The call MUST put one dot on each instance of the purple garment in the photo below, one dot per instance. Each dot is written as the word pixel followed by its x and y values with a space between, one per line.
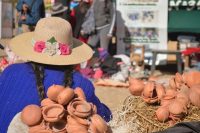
pixel 18 89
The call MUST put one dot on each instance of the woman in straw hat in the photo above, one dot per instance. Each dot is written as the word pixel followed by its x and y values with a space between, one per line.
pixel 50 52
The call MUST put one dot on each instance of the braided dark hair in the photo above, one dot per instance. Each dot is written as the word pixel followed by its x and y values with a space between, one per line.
pixel 67 82
pixel 39 74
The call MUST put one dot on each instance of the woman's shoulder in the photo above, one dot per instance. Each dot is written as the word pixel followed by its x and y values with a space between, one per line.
pixel 16 68
pixel 79 78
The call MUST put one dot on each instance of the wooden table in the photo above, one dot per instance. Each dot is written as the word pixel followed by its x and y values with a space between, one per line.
pixel 175 52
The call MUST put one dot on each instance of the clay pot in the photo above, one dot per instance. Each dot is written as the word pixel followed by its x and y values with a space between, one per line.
pixel 172 83
pixel 80 108
pixel 149 100
pixel 58 127
pixel 53 91
pixel 53 113
pixel 160 90
pixel 46 102
pixel 65 96
pixel 162 114
pixel 98 124
pixel 194 95
pixel 79 93
pixel 149 90
pixel 191 78
pixel 31 115
pixel 176 108
pixel 74 126
pixel 136 86
pixel 183 98
pixel 178 78
pixel 41 128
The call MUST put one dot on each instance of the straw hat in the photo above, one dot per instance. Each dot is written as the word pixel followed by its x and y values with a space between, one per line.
pixel 51 43
pixel 58 8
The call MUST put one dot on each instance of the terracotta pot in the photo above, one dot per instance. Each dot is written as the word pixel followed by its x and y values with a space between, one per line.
pixel 194 95
pixel 149 90
pixel 136 86
pixel 191 78
pixel 53 91
pixel 58 127
pixel 177 108
pixel 98 122
pixel 160 90
pixel 79 108
pixel 149 100
pixel 46 102
pixel 74 126
pixel 65 96
pixel 178 78
pixel 41 128
pixel 162 114
pixel 53 113
pixel 31 115
pixel 184 98
pixel 79 93
pixel 172 83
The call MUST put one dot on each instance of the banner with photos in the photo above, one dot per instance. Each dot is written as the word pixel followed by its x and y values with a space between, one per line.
pixel 142 22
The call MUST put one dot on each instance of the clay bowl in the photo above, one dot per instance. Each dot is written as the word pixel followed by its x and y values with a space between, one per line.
pixel 149 89
pixel 59 126
pixel 53 91
pixel 31 115
pixel 98 122
pixel 191 78
pixel 79 93
pixel 53 113
pixel 162 114
pixel 65 96
pixel 46 102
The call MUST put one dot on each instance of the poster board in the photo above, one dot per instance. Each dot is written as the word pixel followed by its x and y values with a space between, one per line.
pixel 142 22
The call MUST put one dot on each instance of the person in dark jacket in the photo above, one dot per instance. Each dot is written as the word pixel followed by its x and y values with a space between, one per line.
pixel 29 13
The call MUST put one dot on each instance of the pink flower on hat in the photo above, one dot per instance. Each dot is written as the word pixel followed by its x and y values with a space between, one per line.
pixel 39 46
pixel 64 49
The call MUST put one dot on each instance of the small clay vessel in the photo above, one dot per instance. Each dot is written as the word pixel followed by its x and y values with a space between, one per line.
pixel 191 78
pixel 59 126
pixel 160 90
pixel 46 102
pixel 177 108
pixel 79 93
pixel 162 114
pixel 53 113
pixel 31 115
pixel 98 122
pixel 194 96
pixel 74 126
pixel 136 86
pixel 65 96
pixel 53 91
pixel 149 89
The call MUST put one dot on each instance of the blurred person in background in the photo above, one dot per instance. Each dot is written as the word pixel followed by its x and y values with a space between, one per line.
pixel 104 19
pixel 29 12
pixel 78 15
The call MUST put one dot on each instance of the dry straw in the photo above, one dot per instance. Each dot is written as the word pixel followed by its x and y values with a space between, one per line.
pixel 139 117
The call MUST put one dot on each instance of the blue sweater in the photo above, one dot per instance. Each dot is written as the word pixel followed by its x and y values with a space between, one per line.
pixel 18 89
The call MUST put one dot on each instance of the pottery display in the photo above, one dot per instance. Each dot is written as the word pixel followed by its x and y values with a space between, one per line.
pixel 191 78
pixel 64 111
pixel 31 115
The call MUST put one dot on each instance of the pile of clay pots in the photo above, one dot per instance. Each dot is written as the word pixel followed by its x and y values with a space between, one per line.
pixel 64 111
pixel 174 99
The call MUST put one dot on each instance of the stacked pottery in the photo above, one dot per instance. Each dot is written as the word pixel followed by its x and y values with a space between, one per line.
pixel 153 92
pixel 136 86
pixel 191 78
pixel 64 111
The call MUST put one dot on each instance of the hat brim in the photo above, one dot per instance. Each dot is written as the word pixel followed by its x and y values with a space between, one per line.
pixel 59 11
pixel 22 47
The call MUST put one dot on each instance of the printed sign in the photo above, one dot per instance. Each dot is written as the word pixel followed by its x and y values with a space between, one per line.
pixel 142 22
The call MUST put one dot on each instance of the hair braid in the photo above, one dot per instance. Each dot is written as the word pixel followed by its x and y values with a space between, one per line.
pixel 39 74
pixel 68 76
